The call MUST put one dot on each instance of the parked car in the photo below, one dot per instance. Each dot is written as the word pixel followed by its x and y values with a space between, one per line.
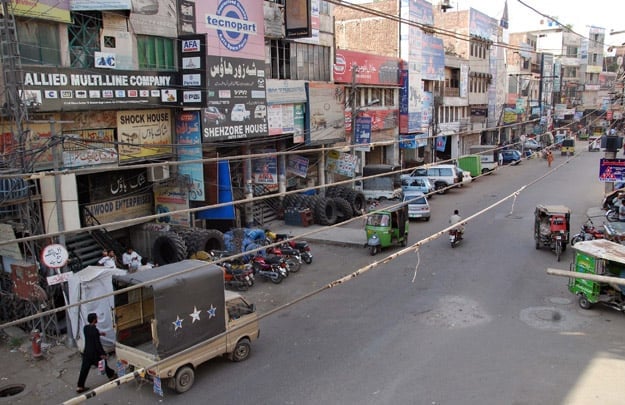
pixel 442 176
pixel 420 184
pixel 418 207
pixel 260 112
pixel 532 144
pixel 466 176
pixel 213 115
pixel 511 157
pixel 239 113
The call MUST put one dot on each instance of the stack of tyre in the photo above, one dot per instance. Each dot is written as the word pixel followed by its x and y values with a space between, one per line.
pixel 340 204
pixel 181 242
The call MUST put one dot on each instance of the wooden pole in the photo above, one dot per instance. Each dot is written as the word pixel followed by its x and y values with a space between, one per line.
pixel 586 276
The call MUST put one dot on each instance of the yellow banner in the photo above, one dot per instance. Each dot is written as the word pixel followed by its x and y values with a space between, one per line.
pixel 144 133
pixel 52 10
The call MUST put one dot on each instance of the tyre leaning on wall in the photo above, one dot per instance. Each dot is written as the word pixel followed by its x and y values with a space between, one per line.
pixel 168 248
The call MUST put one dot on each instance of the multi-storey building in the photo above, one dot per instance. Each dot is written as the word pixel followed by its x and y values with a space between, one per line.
pixel 118 95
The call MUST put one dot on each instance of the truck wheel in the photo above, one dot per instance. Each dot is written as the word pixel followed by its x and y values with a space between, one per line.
pixel 183 380
pixel 241 351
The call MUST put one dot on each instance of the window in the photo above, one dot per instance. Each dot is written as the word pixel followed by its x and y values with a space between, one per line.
pixel 156 53
pixel 571 51
pixel 84 38
pixel 38 42
pixel 280 63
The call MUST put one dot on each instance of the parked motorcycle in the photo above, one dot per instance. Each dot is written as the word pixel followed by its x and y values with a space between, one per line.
pixel 274 272
pixel 301 245
pixel 291 256
pixel 455 237
pixel 238 276
pixel 588 231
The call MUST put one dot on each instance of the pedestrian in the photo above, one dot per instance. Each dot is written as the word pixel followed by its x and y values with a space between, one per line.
pixel 549 158
pixel 93 353
pixel 108 259
pixel 145 264
pixel 131 260
pixel 500 158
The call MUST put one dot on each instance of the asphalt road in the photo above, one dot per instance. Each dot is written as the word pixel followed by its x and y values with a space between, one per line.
pixel 479 324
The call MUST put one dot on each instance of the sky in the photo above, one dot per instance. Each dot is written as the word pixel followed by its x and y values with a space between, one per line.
pixel 580 14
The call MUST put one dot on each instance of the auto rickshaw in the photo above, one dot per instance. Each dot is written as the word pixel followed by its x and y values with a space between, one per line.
pixel 386 227
pixel 599 257
pixel 568 147
pixel 552 227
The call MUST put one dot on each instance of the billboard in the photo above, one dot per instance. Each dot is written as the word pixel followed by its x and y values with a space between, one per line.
pixel 433 62
pixel 370 69
pixel 235 67
pixel 327 120
pixel 154 17
pixel 297 19
pixel 189 136
pixel 66 89
pixel 50 10
pixel 144 134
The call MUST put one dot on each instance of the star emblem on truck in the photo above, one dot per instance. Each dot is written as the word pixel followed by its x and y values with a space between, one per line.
pixel 195 315
pixel 212 312
pixel 177 323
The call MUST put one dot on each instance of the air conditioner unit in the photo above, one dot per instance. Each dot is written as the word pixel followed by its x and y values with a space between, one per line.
pixel 158 173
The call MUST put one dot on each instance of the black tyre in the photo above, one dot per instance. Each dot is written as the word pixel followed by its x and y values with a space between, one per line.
pixel 212 239
pixel 558 250
pixel 441 188
pixel 344 210
pixel 294 264
pixel 583 302
pixel 575 239
pixel 307 259
pixel 373 250
pixel 325 212
pixel 277 280
pixel 241 351
pixel 169 248
pixel 183 380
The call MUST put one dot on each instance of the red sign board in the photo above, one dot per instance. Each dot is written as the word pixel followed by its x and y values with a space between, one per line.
pixel 371 69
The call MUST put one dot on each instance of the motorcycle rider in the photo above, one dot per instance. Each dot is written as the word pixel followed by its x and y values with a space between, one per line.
pixel 457 219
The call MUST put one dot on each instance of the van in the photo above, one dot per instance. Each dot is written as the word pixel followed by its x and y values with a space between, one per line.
pixel 418 207
pixel 488 156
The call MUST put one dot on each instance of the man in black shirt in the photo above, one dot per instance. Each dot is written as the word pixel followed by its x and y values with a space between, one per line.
pixel 92 353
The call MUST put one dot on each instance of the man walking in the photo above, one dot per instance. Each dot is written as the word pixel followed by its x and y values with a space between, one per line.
pixel 92 353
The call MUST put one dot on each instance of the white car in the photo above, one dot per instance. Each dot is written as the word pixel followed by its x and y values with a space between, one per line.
pixel 466 176
pixel 532 144
pixel 239 113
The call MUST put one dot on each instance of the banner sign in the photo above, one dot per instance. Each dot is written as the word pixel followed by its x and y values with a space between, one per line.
pixel 370 69
pixel 52 89
pixel 298 165
pixel 192 66
pixel 266 169
pixel 611 170
pixel 91 5
pixel 132 206
pixel 89 148
pixel 237 89
pixel 50 10
pixel 341 163
pixel 170 199
pixel 189 137
pixel 143 134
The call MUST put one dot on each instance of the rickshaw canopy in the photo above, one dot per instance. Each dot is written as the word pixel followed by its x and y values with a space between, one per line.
pixel 554 209
pixel 602 249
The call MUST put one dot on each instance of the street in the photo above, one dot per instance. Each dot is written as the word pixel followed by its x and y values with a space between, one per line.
pixel 479 324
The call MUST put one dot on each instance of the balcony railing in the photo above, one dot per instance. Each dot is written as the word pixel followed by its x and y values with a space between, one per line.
pixel 451 92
